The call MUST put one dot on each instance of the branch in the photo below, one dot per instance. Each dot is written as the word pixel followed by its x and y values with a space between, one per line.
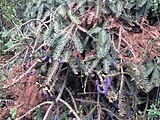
pixel 71 110
pixel 47 113
pixel 62 88
pixel 121 108
pixel 74 103
pixel 47 102
pixel 57 99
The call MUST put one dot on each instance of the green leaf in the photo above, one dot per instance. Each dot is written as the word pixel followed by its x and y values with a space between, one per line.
pixel 148 72
pixel 4 33
pixel 40 12
pixel 102 37
pixel 154 5
pixel 33 12
pixel 62 10
pixel 8 44
pixel 130 4
pixel 73 18
pixel 73 67
pixel 59 48
pixel 149 66
pixel 56 26
pixel 1 41
pixel 158 60
pixel 47 35
pixel 107 44
pixel 13 112
pixel 38 114
pixel 106 65
pixel 104 43
pixel 78 44
pixel 100 51
pixel 156 78
pixel 94 30
pixel 3 78
pixel 9 118
pixel 141 3
pixel 56 37
pixel 158 67
pixel 49 1
pixel 119 8
pixel 93 65
pixel 66 55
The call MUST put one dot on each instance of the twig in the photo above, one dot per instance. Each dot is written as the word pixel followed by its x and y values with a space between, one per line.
pixel 114 47
pixel 55 111
pixel 47 102
pixel 74 103
pixel 90 112
pixel 145 110
pixel 120 38
pixel 18 28
pixel 87 93
pixel 63 69
pixel 85 84
pixel 98 107
pixel 50 77
pixel 121 109
pixel 59 69
pixel 129 45
pixel 87 101
pixel 112 113
pixel 95 63
pixel 47 113
pixel 6 100
pixel 53 16
pixel 13 57
pixel 25 56
pixel 31 20
pixel 97 11
pixel 13 46
pixel 158 94
pixel 93 102
pixel 100 77
pixel 54 68
pixel 43 44
pixel 62 88
pixel 75 114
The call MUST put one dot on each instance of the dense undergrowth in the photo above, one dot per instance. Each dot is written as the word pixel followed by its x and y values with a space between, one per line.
pixel 82 59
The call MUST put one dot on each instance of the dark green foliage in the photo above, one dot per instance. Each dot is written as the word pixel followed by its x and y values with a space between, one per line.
pixel 38 114
pixel 9 15
pixel 79 35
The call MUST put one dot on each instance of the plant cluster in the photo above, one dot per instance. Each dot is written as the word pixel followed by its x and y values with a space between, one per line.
pixel 10 13
pixel 85 59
